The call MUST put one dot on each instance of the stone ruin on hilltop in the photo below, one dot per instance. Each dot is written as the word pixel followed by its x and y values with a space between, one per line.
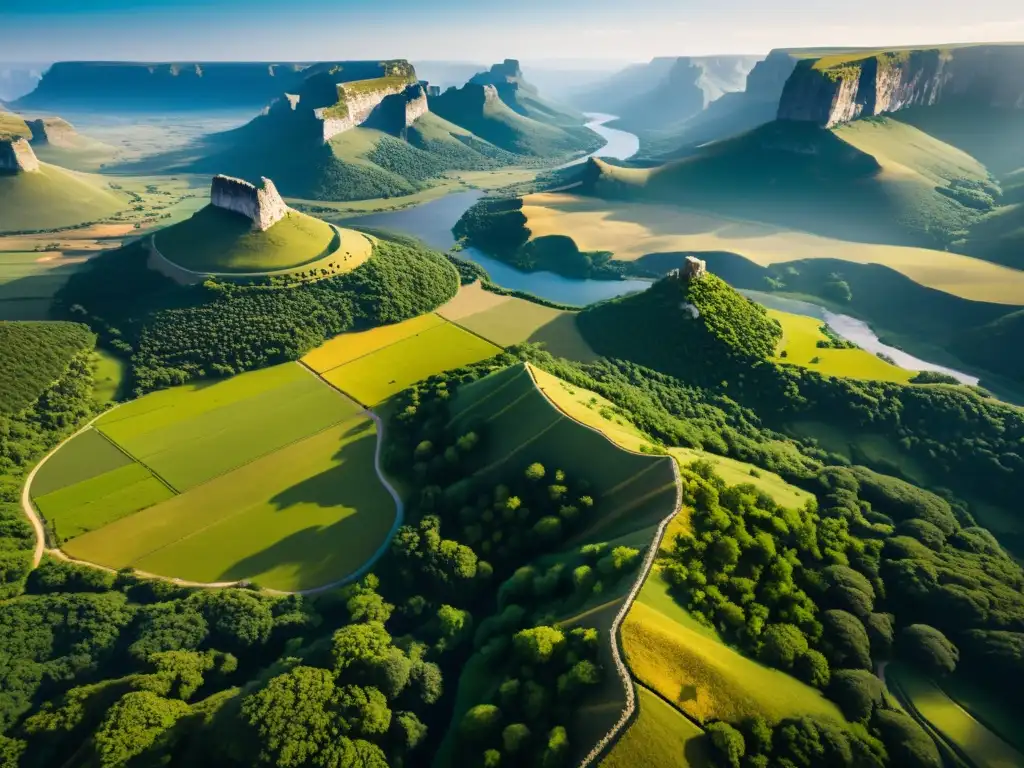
pixel 693 269
pixel 16 156
pixel 262 205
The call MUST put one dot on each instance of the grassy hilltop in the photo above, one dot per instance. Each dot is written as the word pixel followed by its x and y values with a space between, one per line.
pixel 52 198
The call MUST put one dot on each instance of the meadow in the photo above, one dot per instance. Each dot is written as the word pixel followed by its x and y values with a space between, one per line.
pixel 306 515
pixel 632 230
pixel 508 320
pixel 967 736
pixel 800 336
pixel 378 374
pixel 660 736
pixel 687 664
pixel 53 198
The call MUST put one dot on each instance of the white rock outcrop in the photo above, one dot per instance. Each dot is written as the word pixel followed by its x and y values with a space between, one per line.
pixel 16 156
pixel 262 205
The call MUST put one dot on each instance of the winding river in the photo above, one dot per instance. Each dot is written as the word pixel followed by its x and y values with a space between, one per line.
pixel 432 222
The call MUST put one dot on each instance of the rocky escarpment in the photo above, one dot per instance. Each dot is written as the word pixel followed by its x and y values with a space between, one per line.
pixel 16 156
pixel 52 130
pixel 262 205
pixel 836 89
pixel 357 101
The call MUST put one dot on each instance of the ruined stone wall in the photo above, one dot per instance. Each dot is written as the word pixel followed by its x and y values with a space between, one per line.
pixel 52 130
pixel 263 205
pixel 16 156
pixel 989 76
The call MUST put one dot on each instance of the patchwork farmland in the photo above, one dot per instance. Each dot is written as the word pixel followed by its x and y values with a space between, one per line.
pixel 267 477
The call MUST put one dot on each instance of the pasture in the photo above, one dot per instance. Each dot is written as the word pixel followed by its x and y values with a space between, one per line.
pixel 800 336
pixel 953 723
pixel 193 433
pixel 54 197
pixel 379 374
pixel 306 515
pixel 507 320
pixel 349 346
pixel 631 230
pixel 660 736
pixel 687 664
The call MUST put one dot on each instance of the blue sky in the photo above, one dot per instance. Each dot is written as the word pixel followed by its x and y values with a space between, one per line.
pixel 631 30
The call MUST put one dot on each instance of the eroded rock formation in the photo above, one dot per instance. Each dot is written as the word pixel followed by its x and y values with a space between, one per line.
pixel 833 91
pixel 16 156
pixel 357 101
pixel 262 205
pixel 52 130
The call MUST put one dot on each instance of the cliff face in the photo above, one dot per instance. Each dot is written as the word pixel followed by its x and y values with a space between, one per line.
pixel 263 205
pixel 768 78
pixel 52 130
pixel 831 90
pixel 16 156
pixel 357 101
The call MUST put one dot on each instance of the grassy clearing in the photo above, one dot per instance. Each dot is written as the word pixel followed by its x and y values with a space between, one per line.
pixel 507 320
pixel 349 346
pixel 84 456
pixel 306 515
pixel 631 230
pixel 736 472
pixel 630 491
pixel 217 240
pixel 193 433
pixel 54 197
pixel 953 723
pixel 108 377
pixel 385 372
pixel 660 736
pixel 800 335
pixel 100 500
pixel 708 680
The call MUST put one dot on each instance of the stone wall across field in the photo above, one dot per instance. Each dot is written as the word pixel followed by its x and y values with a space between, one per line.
pixel 262 205
pixel 16 156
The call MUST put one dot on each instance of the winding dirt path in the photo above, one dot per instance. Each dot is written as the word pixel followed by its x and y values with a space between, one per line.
pixel 37 524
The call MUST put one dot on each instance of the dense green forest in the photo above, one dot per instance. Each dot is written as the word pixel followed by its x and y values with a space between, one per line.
pixel 175 333
pixel 967 441
pixel 497 226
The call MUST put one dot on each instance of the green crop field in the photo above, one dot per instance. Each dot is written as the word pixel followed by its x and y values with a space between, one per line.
pixel 85 456
pixel 379 375
pixel 33 274
pixel 308 514
pixel 54 197
pixel 217 240
pixel 631 491
pixel 660 736
pixel 100 500
pixel 688 665
pixel 800 335
pixel 952 722
pixel 193 433
pixel 346 347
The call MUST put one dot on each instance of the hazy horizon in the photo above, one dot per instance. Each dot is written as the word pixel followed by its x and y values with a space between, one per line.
pixel 465 31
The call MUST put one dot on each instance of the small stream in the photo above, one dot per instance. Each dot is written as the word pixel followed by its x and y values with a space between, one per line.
pixel 432 222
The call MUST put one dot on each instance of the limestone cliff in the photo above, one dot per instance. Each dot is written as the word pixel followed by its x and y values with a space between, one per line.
pixel 52 130
pixel 357 101
pixel 16 156
pixel 262 205
pixel 836 89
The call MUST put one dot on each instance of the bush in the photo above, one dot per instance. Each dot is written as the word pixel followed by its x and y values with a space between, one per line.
pixel 928 648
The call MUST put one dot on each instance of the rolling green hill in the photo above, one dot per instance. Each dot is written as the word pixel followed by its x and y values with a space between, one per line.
pixel 895 183
pixel 53 198
pixel 217 240
pixel 13 125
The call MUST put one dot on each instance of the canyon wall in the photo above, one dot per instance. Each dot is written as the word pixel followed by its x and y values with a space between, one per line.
pixel 357 101
pixel 262 205
pixel 833 90
pixel 16 156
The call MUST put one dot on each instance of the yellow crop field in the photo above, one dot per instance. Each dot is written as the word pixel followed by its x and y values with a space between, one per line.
pixel 952 722
pixel 800 335
pixel 631 230
pixel 306 515
pixel 376 376
pixel 348 346
pixel 708 680
pixel 507 320
pixel 660 736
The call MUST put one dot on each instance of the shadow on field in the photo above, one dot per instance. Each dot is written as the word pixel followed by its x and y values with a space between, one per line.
pixel 321 553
